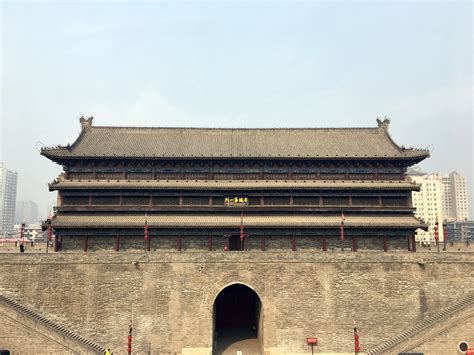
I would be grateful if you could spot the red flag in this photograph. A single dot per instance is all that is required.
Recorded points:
(146, 230)
(129, 339)
(342, 225)
(356, 341)
(50, 232)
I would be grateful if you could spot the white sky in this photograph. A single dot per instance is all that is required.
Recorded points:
(235, 64)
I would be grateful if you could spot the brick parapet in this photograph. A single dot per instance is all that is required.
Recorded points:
(235, 257)
(170, 295)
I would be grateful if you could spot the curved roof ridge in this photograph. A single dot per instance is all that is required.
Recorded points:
(236, 128)
(389, 136)
(78, 140)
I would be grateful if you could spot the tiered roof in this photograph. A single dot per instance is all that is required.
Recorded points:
(225, 221)
(225, 143)
(65, 184)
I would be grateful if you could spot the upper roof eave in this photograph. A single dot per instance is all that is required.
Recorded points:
(66, 184)
(61, 154)
(175, 143)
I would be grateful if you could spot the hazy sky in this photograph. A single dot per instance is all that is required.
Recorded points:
(235, 64)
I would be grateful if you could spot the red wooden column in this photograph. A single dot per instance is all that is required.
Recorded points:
(413, 243)
(408, 242)
(385, 243)
(324, 243)
(293, 243)
(86, 242)
(178, 242)
(209, 241)
(117, 242)
(56, 242)
(354, 243)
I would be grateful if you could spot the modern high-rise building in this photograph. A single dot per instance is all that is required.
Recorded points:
(27, 212)
(447, 198)
(455, 205)
(428, 204)
(8, 182)
(460, 231)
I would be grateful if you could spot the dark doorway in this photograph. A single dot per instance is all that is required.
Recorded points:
(234, 242)
(237, 321)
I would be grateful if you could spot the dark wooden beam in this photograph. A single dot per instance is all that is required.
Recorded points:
(354, 243)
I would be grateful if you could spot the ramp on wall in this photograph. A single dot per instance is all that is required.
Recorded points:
(25, 331)
(439, 333)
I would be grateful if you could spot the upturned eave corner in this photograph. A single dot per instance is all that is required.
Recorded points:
(423, 224)
(409, 153)
(56, 153)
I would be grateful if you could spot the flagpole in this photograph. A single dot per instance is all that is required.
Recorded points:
(241, 231)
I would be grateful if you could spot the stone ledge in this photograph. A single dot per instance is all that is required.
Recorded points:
(132, 257)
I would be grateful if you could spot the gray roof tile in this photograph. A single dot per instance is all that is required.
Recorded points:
(64, 184)
(214, 143)
(219, 221)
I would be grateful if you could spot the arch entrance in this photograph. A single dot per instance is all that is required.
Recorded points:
(237, 319)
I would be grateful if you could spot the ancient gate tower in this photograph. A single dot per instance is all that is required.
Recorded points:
(198, 196)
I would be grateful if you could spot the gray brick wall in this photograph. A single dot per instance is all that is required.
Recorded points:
(169, 296)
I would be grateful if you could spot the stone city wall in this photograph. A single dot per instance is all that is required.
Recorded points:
(170, 295)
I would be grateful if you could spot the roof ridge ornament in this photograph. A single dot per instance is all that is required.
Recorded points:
(383, 124)
(86, 123)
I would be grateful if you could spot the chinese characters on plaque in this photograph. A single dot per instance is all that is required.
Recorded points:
(236, 201)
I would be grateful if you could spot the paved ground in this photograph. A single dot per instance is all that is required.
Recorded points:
(232, 341)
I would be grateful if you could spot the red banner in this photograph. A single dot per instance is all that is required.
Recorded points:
(146, 230)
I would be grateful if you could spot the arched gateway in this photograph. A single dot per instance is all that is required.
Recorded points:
(237, 320)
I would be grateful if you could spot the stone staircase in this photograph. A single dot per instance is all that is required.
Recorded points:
(83, 342)
(454, 308)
